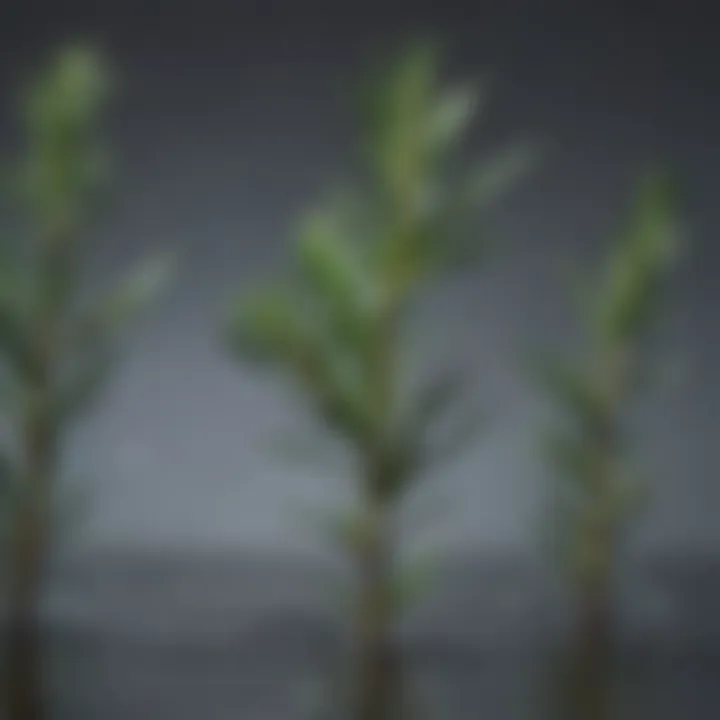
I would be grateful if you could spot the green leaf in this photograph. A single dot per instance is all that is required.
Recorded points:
(450, 118)
(495, 177)
(411, 583)
(409, 449)
(347, 410)
(15, 342)
(437, 398)
(654, 220)
(576, 391)
(275, 327)
(62, 112)
(478, 194)
(134, 293)
(639, 267)
(407, 266)
(336, 384)
(70, 92)
(94, 338)
(398, 103)
(337, 273)
(138, 290)
(267, 325)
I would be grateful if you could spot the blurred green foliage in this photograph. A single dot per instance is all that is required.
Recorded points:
(599, 491)
(360, 262)
(335, 323)
(56, 348)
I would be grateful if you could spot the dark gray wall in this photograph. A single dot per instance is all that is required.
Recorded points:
(233, 117)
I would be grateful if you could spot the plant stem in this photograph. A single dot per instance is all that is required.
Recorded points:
(30, 546)
(378, 670)
(31, 530)
(589, 676)
(589, 673)
(378, 680)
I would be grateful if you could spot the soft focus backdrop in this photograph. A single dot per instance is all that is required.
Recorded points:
(231, 118)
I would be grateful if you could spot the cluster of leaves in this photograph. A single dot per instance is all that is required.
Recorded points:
(335, 323)
(599, 491)
(362, 258)
(55, 349)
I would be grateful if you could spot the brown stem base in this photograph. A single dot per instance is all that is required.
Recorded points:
(24, 669)
(379, 687)
(588, 679)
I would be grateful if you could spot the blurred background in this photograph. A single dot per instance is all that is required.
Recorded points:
(194, 582)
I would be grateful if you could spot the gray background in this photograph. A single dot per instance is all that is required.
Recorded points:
(231, 119)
